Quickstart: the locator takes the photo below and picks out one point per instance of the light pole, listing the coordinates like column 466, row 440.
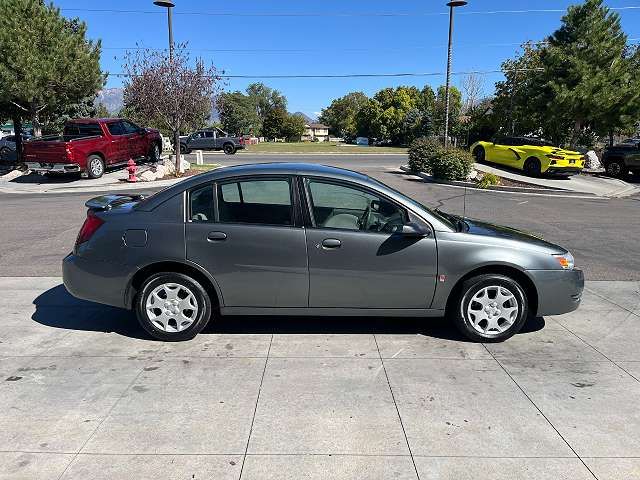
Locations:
column 168, row 4
column 453, row 4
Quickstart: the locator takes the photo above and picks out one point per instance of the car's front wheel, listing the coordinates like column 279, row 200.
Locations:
column 184, row 149
column 154, row 153
column 173, row 307
column 490, row 308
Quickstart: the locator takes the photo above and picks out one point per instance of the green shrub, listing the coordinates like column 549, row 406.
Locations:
column 452, row 164
column 488, row 180
column 421, row 151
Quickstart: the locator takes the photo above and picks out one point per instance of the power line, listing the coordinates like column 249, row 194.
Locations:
column 352, row 75
column 330, row 14
column 261, row 51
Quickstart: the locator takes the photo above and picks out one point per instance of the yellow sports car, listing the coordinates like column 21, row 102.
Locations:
column 532, row 155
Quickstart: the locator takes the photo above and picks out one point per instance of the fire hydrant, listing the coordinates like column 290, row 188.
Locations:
column 131, row 168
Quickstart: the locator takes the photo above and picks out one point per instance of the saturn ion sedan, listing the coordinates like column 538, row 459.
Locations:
column 298, row 239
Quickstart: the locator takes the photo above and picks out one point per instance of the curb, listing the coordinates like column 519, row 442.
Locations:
column 544, row 192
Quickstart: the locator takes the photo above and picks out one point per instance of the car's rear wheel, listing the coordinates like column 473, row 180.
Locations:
column 490, row 308
column 532, row 167
column 172, row 307
column 229, row 148
column 479, row 154
column 95, row 166
column 615, row 168
column 5, row 154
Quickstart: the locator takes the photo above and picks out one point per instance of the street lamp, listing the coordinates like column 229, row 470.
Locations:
column 453, row 4
column 168, row 4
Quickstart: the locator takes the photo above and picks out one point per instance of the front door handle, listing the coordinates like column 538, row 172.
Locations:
column 331, row 243
column 216, row 237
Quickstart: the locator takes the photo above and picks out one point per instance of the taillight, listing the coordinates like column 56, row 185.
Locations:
column 68, row 153
column 89, row 227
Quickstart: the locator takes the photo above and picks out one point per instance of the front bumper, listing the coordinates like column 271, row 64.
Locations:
column 559, row 291
column 53, row 167
column 96, row 281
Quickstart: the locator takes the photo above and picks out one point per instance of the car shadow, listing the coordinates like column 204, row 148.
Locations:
column 88, row 316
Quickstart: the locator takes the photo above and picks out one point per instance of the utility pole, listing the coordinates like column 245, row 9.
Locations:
column 451, row 5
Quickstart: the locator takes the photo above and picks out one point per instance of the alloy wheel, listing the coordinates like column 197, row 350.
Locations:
column 492, row 310
column 96, row 167
column 172, row 307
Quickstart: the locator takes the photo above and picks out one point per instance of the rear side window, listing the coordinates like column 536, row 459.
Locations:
column 83, row 129
column 266, row 202
column 115, row 128
column 201, row 204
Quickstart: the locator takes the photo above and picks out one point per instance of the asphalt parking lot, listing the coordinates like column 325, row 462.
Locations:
column 84, row 394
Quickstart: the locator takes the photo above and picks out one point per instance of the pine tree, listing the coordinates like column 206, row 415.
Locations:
column 588, row 71
column 46, row 62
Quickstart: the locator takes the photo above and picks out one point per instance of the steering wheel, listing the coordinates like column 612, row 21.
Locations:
column 363, row 221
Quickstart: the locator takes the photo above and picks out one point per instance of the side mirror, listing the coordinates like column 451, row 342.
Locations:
column 413, row 230
column 142, row 131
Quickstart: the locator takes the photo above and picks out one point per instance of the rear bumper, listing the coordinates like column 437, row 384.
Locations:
column 559, row 291
column 53, row 167
column 96, row 281
column 564, row 170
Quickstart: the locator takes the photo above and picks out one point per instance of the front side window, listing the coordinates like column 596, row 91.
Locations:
column 344, row 207
column 129, row 127
column 201, row 204
column 266, row 202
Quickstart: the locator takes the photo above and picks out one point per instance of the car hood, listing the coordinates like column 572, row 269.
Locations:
column 477, row 227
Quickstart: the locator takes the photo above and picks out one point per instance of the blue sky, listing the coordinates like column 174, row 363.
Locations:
column 415, row 42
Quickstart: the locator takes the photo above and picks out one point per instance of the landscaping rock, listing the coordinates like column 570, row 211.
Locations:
column 13, row 174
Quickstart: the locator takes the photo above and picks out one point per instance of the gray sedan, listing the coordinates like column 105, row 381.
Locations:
column 298, row 239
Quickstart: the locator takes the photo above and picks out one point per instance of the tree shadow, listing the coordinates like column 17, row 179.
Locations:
column 56, row 308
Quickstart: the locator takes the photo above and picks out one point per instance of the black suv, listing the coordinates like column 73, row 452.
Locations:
column 619, row 159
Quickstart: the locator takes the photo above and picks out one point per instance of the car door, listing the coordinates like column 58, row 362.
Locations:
column 356, row 257
column 243, row 231
column 501, row 153
column 119, row 146
column 197, row 141
column 209, row 140
column 137, row 141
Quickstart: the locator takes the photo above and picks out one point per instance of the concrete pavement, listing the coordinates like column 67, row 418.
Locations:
column 85, row 394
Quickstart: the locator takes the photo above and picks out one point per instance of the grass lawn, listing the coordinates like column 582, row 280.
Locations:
column 319, row 147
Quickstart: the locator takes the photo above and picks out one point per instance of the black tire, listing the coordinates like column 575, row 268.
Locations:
column 154, row 153
column 479, row 154
column 615, row 168
column 95, row 166
column 201, row 297
column 5, row 152
column 458, row 308
column 229, row 148
column 533, row 167
column 184, row 149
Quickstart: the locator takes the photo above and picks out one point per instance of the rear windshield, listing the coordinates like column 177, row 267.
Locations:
column 82, row 129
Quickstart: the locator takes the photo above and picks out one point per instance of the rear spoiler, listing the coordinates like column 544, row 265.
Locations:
column 106, row 202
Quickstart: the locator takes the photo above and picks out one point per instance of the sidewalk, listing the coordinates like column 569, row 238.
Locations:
column 85, row 394
column 600, row 186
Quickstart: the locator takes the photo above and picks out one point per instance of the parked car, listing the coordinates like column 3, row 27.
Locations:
column 211, row 139
column 534, row 156
column 90, row 145
column 8, row 146
column 300, row 239
column 620, row 159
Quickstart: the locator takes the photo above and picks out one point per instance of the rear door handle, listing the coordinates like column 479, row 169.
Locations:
column 331, row 243
column 216, row 237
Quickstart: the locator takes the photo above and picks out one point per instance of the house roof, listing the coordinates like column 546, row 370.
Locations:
column 316, row 125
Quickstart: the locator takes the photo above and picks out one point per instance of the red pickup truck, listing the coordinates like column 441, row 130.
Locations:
column 90, row 145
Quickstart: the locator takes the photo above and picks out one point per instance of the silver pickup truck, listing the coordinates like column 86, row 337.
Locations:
column 211, row 139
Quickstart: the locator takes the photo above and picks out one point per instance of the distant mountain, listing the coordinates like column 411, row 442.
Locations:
column 307, row 118
column 111, row 98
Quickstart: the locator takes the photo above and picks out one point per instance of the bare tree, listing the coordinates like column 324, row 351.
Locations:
column 472, row 86
column 167, row 92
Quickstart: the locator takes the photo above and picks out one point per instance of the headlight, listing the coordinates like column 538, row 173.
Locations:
column 566, row 261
